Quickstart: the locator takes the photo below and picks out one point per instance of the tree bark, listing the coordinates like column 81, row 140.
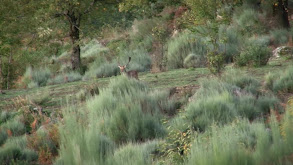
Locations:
column 8, row 68
column 74, row 36
column 1, row 76
column 283, row 5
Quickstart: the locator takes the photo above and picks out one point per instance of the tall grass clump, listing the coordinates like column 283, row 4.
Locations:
column 256, row 53
column 280, row 82
column 64, row 78
column 243, row 142
column 134, row 154
column 221, row 101
column 248, row 21
column 132, row 113
column 126, row 111
column 15, row 151
column 183, row 45
column 78, row 143
column 92, row 49
column 231, row 42
column 102, row 68
column 36, row 77
column 280, row 36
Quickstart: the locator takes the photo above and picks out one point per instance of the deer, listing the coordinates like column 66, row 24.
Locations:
column 130, row 74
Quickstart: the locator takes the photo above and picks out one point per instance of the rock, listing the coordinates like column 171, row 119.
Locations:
column 282, row 51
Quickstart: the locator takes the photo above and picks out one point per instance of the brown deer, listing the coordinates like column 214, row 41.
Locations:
column 131, row 74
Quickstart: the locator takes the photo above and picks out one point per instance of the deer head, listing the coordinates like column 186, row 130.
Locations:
column 132, row 73
column 123, row 67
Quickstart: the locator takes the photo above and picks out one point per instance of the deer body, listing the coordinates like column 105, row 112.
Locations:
column 131, row 74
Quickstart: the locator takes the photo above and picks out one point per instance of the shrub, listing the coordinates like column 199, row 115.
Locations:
column 247, row 20
column 282, row 82
column 255, row 53
column 92, row 49
column 142, row 28
column 140, row 60
column 243, row 142
column 230, row 42
column 3, row 137
column 80, row 144
column 14, row 150
column 64, row 78
column 280, row 36
column 101, row 68
column 13, row 154
column 237, row 95
column 181, row 46
column 14, row 127
column 37, row 77
column 135, row 114
column 193, row 61
column 134, row 154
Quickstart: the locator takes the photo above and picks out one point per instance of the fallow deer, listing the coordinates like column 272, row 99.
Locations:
column 131, row 74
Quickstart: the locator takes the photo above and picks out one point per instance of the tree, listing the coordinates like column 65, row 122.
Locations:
column 15, row 22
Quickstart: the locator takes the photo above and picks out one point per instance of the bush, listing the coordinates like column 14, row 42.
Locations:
column 14, row 150
column 280, row 36
column 14, row 127
column 181, row 46
column 140, row 60
column 193, row 61
column 243, row 142
column 255, row 53
column 64, row 78
column 126, row 111
column 92, row 49
column 80, row 144
column 221, row 102
column 248, row 22
column 230, row 42
column 134, row 154
column 280, row 81
column 101, row 68
column 135, row 114
column 37, row 77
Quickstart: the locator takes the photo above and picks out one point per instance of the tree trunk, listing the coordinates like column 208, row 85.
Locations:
column 74, row 36
column 1, row 76
column 8, row 68
column 283, row 5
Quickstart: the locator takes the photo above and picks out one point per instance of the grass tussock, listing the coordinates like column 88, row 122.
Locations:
column 280, row 82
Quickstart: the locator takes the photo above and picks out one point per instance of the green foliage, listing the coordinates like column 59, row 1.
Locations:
column 181, row 46
column 238, row 95
column 248, row 21
column 14, row 126
column 255, row 53
column 231, row 42
column 280, row 36
column 92, row 49
column 280, row 82
column 243, row 142
column 140, row 60
column 80, row 144
column 142, row 29
column 193, row 61
column 135, row 114
column 36, row 77
column 126, row 111
column 215, row 62
column 134, row 154
column 14, row 150
column 64, row 78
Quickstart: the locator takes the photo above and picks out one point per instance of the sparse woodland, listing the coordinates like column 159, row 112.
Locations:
column 204, row 82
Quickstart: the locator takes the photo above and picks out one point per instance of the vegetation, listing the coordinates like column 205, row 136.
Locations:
column 210, row 88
